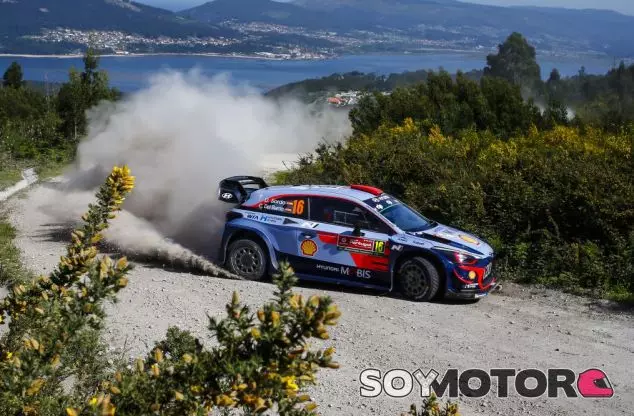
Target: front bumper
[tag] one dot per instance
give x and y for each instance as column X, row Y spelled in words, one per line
column 471, row 293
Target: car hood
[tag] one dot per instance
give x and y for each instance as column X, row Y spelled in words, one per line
column 454, row 237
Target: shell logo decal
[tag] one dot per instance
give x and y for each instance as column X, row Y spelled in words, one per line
column 469, row 239
column 308, row 248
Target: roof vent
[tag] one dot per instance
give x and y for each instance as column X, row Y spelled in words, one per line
column 369, row 189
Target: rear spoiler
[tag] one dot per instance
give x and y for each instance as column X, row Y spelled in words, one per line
column 232, row 190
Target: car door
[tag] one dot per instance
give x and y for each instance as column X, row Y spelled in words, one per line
column 330, row 250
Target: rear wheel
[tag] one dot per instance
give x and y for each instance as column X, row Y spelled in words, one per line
column 246, row 258
column 419, row 279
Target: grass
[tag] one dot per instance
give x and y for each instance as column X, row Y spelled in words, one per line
column 9, row 177
column 11, row 169
column 621, row 295
column 10, row 173
column 11, row 268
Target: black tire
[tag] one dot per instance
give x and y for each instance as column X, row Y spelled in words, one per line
column 248, row 259
column 419, row 279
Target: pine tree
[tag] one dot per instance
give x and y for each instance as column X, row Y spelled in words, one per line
column 13, row 76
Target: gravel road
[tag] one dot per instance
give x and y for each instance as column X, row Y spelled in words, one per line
column 516, row 328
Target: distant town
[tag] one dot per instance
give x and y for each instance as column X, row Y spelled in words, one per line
column 121, row 43
column 347, row 98
column 257, row 39
column 304, row 30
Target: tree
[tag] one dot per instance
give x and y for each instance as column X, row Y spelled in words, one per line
column 515, row 61
column 13, row 76
column 83, row 91
column 556, row 114
column 555, row 87
column 555, row 76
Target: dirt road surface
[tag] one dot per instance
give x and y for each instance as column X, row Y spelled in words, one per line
column 516, row 328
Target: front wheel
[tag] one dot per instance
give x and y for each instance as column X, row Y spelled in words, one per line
column 419, row 279
column 246, row 258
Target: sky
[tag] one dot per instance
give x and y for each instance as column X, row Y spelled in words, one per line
column 623, row 6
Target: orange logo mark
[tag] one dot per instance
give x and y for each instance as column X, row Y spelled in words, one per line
column 308, row 247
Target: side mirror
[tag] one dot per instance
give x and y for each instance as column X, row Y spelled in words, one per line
column 357, row 230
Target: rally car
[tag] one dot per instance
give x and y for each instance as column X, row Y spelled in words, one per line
column 354, row 235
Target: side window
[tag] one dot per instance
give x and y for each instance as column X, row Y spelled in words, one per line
column 288, row 206
column 344, row 213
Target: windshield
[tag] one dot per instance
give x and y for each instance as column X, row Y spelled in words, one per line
column 399, row 214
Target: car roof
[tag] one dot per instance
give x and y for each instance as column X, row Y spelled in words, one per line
column 332, row 190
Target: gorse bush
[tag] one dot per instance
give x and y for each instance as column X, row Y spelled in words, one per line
column 263, row 360
column 55, row 319
column 557, row 205
column 431, row 407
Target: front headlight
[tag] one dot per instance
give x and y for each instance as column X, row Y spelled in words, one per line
column 458, row 257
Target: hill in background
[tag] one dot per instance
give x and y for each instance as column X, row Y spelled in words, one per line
column 305, row 28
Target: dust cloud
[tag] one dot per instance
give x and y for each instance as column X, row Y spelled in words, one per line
column 180, row 136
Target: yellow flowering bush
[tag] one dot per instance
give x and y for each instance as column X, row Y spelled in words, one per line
column 53, row 319
column 263, row 360
column 557, row 204
column 431, row 407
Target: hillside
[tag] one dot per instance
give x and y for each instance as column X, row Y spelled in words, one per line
column 306, row 28
column 408, row 22
column 19, row 18
column 317, row 88
column 274, row 12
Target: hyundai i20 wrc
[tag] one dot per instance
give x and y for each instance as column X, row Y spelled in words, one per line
column 353, row 235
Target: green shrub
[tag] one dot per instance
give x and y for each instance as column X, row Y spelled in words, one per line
column 557, row 205
column 431, row 407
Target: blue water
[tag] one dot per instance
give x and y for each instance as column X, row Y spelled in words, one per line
column 132, row 73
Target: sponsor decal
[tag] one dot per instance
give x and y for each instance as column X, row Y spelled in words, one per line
column 487, row 270
column 397, row 247
column 329, row 268
column 476, row 382
column 361, row 244
column 345, row 271
column 381, row 198
column 226, row 195
column 308, row 248
column 418, row 242
column 469, row 239
column 381, row 202
column 265, row 218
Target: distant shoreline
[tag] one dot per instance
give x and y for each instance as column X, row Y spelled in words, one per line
column 420, row 51
column 137, row 55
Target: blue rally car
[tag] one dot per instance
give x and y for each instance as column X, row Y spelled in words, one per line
column 354, row 235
